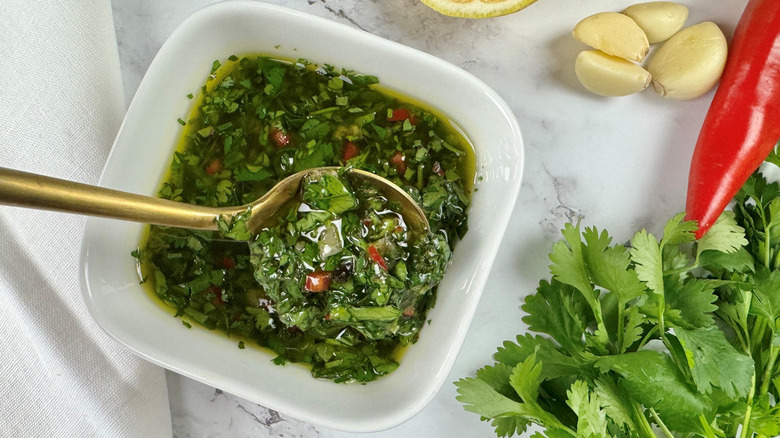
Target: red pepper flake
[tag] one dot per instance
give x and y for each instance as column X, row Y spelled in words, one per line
column 437, row 168
column 317, row 281
column 213, row 167
column 228, row 262
column 376, row 257
column 351, row 150
column 399, row 161
column 217, row 291
column 401, row 114
column 279, row 137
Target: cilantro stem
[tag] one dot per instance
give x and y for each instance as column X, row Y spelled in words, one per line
column 621, row 325
column 661, row 322
column 770, row 366
column 682, row 270
column 661, row 424
column 639, row 415
column 749, row 408
column 324, row 110
column 647, row 337
column 759, row 329
column 708, row 428
column 767, row 246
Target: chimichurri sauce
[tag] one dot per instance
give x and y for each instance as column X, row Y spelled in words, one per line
column 338, row 284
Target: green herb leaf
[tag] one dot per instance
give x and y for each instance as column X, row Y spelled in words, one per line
column 557, row 310
column 586, row 404
column 766, row 300
column 714, row 362
column 329, row 193
column 652, row 378
column 724, row 235
column 646, row 253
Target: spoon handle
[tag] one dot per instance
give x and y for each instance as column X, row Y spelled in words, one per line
column 30, row 190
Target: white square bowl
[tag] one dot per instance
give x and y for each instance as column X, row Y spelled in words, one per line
column 143, row 151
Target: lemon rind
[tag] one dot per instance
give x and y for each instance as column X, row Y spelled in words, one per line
column 477, row 9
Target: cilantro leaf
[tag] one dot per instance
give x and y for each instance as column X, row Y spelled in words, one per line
column 646, row 253
column 557, row 309
column 313, row 156
column 690, row 304
column 652, row 378
column 677, row 231
column 569, row 263
column 488, row 396
column 480, row 397
column 526, row 378
column 633, row 329
column 253, row 173
column 569, row 268
column 509, row 426
column 714, row 362
column 766, row 298
column 608, row 266
column 616, row 404
column 555, row 364
column 724, row 235
column 591, row 419
column 719, row 262
column 765, row 418
column 328, row 192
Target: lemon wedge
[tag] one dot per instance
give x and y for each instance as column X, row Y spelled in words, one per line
column 477, row 8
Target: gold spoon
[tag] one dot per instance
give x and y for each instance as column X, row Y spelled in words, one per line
column 30, row 190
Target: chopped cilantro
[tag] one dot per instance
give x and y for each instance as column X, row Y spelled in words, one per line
column 263, row 121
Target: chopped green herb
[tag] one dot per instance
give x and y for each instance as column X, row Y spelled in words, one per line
column 215, row 66
column 265, row 120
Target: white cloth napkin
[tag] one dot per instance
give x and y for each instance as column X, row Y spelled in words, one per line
column 61, row 104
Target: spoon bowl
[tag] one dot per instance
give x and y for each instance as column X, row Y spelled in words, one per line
column 30, row 190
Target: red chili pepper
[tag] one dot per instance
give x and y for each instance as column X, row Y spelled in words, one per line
column 401, row 114
column 279, row 137
column 376, row 257
column 399, row 161
column 742, row 125
column 351, row 150
column 317, row 281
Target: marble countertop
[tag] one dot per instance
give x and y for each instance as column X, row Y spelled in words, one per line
column 619, row 164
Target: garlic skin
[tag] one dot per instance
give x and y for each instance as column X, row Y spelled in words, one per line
column 689, row 63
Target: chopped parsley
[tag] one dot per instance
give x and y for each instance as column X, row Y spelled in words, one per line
column 337, row 285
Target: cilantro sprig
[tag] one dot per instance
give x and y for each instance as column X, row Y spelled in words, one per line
column 667, row 336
